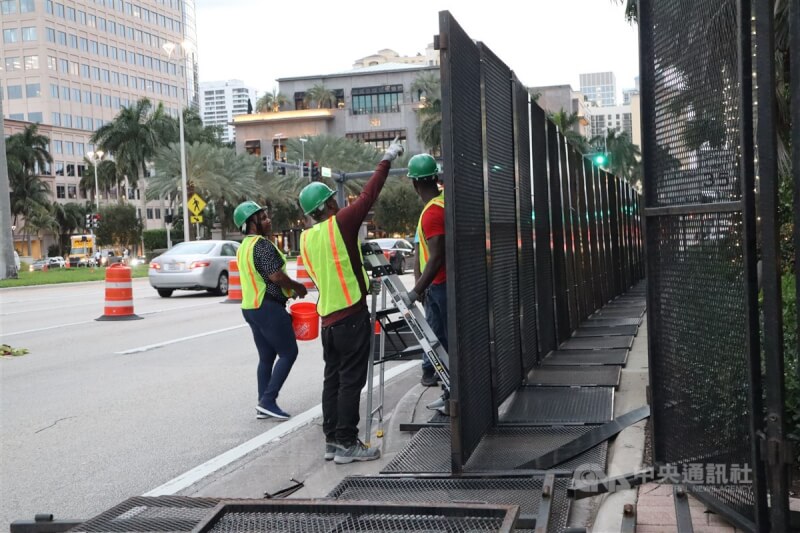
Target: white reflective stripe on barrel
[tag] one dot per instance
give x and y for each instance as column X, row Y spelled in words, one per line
column 118, row 284
column 119, row 303
column 234, row 287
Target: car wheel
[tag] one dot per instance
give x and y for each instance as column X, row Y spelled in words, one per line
column 164, row 293
column 222, row 285
column 401, row 266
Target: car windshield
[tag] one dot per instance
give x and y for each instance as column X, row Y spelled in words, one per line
column 191, row 248
column 385, row 244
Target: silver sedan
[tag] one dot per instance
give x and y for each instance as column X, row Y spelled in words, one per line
column 196, row 265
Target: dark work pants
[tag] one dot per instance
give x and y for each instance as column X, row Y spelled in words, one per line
column 345, row 348
column 436, row 316
column 274, row 336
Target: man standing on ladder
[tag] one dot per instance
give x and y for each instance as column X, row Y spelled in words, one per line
column 332, row 255
column 431, row 281
column 265, row 289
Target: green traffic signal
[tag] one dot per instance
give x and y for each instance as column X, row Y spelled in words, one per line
column 600, row 159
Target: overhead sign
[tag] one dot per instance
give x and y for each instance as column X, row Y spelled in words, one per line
column 326, row 172
column 196, row 219
column 196, row 204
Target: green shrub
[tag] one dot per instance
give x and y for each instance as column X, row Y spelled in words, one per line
column 156, row 239
column 53, row 250
column 790, row 356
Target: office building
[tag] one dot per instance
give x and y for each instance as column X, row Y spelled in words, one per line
column 600, row 88
column 72, row 66
column 555, row 98
column 431, row 58
column 220, row 101
column 617, row 118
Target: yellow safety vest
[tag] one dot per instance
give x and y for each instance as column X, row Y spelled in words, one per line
column 254, row 287
column 424, row 251
column 325, row 256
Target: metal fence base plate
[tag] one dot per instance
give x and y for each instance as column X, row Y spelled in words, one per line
column 635, row 312
column 587, row 357
column 575, row 376
column 560, row 405
column 522, row 491
column 501, row 450
column 601, row 322
column 597, row 343
column 606, row 331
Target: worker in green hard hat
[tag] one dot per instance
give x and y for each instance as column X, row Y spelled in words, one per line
column 332, row 255
column 430, row 271
column 266, row 287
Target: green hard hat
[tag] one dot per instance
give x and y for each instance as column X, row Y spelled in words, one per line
column 422, row 166
column 313, row 196
column 244, row 211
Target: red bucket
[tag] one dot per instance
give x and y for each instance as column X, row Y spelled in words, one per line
column 305, row 321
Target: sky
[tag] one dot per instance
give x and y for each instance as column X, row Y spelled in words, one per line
column 544, row 42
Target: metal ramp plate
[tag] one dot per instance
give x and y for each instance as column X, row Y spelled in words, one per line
column 606, row 331
column 162, row 513
column 501, row 449
column 600, row 322
column 598, row 343
column 619, row 313
column 522, row 491
column 560, row 405
column 575, row 376
column 587, row 357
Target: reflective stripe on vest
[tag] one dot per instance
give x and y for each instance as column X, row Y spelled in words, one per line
column 424, row 252
column 325, row 256
column 254, row 288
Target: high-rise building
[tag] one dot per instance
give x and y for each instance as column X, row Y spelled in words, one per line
column 600, row 88
column 220, row 101
column 617, row 118
column 72, row 66
column 556, row 98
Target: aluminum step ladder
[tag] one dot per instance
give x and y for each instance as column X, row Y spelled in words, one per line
column 381, row 270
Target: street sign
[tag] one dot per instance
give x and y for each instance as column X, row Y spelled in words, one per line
column 196, row 219
column 196, row 204
column 326, row 172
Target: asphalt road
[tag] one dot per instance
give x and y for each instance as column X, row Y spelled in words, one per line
column 101, row 411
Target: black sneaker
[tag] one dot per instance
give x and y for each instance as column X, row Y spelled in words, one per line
column 330, row 450
column 429, row 377
column 273, row 410
column 356, row 452
column 260, row 415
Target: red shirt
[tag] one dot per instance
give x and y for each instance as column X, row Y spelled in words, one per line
column 432, row 226
column 349, row 220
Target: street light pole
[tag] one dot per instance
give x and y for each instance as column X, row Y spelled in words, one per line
column 303, row 164
column 170, row 47
column 95, row 158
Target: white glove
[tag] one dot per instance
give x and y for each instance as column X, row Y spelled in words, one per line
column 395, row 149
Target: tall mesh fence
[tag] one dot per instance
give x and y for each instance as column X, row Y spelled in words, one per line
column 695, row 243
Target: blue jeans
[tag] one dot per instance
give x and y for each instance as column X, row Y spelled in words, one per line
column 274, row 336
column 436, row 315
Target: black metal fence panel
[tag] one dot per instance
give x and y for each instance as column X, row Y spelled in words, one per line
column 569, row 241
column 593, row 232
column 525, row 215
column 558, row 247
column 467, row 284
column 695, row 97
column 545, row 308
column 501, row 224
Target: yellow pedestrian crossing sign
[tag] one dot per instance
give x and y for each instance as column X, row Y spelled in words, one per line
column 196, row 204
column 196, row 219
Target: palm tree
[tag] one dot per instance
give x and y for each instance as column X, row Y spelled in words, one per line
column 7, row 267
column 429, row 90
column 324, row 97
column 566, row 123
column 28, row 151
column 271, row 102
column 623, row 155
column 195, row 130
column 69, row 218
column 107, row 178
column 37, row 220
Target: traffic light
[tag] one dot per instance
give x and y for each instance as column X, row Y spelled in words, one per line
column 600, row 159
column 305, row 169
column 96, row 220
column 315, row 171
column 88, row 222
column 168, row 218
column 283, row 169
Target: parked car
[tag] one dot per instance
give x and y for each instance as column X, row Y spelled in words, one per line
column 399, row 253
column 38, row 265
column 56, row 262
column 195, row 265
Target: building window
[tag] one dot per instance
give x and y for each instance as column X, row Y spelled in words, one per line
column 67, row 121
column 59, row 168
column 31, row 62
column 33, row 90
column 61, row 191
column 14, row 92
column 12, row 64
column 8, row 7
column 69, row 147
column 379, row 139
column 71, row 169
column 51, row 63
column 72, row 192
column 29, row 33
column 149, row 213
column 61, row 38
column 36, row 116
column 55, row 118
column 73, row 41
column 51, row 35
column 382, row 99
column 11, row 36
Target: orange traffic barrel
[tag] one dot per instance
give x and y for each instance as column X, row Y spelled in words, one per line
column 302, row 275
column 234, row 284
column 119, row 294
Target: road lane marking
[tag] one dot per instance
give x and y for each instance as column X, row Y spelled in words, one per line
column 189, row 478
column 176, row 341
column 46, row 328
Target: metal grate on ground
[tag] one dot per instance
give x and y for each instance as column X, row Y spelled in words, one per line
column 575, row 376
column 560, row 405
column 522, row 491
column 327, row 516
column 602, row 322
column 587, row 357
column 501, row 449
column 142, row 513
column 597, row 343
column 606, row 331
